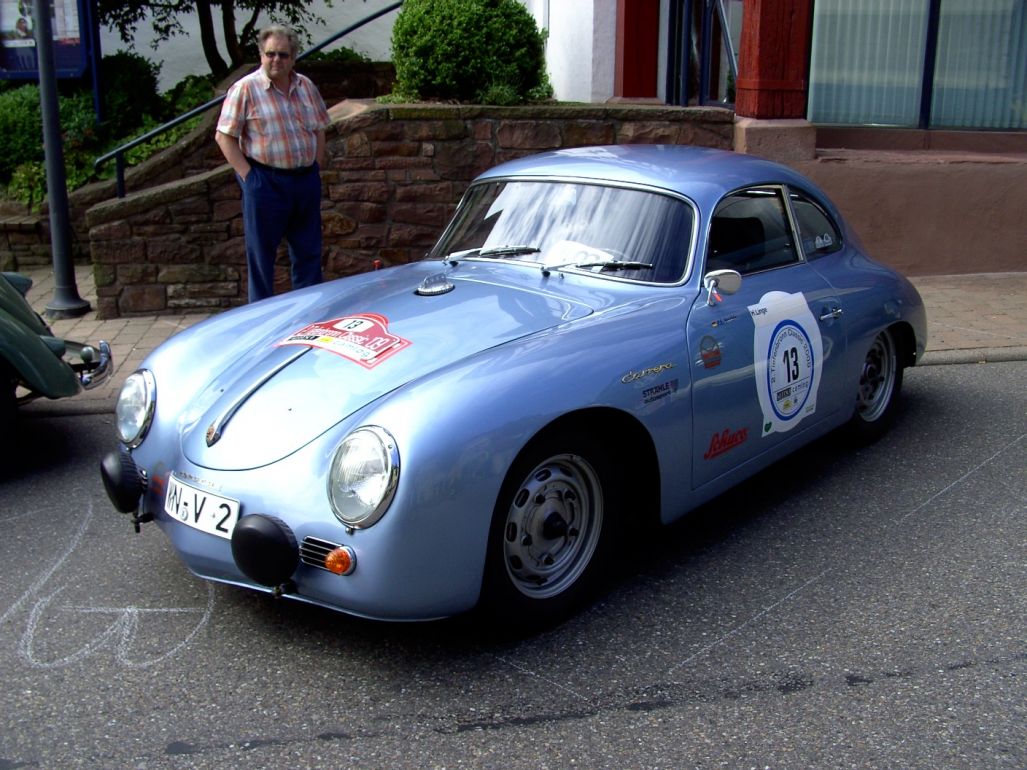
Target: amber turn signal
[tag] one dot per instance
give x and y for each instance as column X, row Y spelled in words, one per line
column 341, row 560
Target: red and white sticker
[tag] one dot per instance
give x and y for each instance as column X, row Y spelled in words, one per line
column 364, row 339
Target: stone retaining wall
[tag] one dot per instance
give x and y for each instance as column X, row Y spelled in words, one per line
column 25, row 238
column 393, row 177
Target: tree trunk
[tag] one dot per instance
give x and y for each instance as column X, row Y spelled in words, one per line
column 235, row 52
column 209, row 42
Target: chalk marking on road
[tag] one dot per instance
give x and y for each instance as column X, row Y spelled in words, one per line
column 41, row 580
column 528, row 672
column 819, row 577
column 961, row 479
column 7, row 518
column 749, row 622
column 119, row 634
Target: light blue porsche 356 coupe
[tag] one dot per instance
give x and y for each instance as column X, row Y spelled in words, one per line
column 602, row 338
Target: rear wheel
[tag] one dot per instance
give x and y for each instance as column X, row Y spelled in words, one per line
column 552, row 532
column 880, row 382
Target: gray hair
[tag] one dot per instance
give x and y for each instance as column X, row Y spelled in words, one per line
column 280, row 30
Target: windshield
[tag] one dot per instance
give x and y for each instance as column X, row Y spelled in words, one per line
column 615, row 231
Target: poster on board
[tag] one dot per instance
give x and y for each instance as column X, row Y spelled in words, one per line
column 18, row 45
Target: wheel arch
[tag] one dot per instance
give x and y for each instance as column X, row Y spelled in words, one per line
column 629, row 439
column 905, row 342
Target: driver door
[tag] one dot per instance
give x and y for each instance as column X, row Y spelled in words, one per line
column 764, row 358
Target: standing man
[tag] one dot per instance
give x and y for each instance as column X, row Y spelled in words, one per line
column 272, row 132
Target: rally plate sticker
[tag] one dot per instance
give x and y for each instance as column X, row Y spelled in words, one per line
column 364, row 338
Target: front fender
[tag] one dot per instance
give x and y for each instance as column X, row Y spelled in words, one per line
column 32, row 360
column 460, row 429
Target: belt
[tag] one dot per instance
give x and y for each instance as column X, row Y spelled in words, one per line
column 299, row 171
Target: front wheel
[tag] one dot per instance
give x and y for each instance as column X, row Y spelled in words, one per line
column 8, row 410
column 552, row 531
column 880, row 382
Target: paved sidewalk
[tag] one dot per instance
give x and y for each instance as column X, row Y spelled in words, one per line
column 970, row 319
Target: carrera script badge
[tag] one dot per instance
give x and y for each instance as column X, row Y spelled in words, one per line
column 364, row 339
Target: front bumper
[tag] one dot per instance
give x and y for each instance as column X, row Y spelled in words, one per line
column 412, row 565
column 94, row 365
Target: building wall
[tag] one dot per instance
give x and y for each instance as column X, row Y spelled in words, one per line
column 581, row 46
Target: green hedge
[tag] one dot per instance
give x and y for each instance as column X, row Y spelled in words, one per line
column 482, row 51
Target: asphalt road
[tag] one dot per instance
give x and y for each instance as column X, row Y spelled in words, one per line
column 863, row 609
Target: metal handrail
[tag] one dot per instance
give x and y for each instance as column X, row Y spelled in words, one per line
column 119, row 153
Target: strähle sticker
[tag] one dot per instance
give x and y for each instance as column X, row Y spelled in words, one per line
column 363, row 339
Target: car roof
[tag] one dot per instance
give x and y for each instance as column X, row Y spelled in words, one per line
column 701, row 173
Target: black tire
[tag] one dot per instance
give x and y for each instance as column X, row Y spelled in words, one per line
column 878, row 389
column 8, row 410
column 554, row 529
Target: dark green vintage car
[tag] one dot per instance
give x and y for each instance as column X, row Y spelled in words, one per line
column 33, row 362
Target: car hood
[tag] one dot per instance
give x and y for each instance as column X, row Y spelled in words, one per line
column 365, row 338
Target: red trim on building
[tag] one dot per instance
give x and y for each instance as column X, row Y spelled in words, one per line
column 773, row 59
column 638, row 44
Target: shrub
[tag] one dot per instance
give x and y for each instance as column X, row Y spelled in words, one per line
column 28, row 184
column 21, row 129
column 129, row 84
column 131, row 102
column 485, row 51
column 340, row 55
column 191, row 91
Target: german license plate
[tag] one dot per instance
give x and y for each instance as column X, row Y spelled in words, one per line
column 200, row 509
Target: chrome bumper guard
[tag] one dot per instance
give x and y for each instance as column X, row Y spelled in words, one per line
column 97, row 364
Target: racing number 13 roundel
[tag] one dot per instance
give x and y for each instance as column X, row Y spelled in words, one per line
column 788, row 354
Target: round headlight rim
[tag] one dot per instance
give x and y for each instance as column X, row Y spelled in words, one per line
column 391, row 450
column 150, row 405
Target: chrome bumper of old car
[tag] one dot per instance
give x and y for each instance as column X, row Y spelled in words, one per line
column 96, row 365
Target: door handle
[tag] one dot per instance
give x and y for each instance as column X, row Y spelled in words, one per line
column 835, row 312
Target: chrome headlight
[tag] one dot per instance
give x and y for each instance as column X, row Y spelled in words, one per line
column 136, row 403
column 363, row 477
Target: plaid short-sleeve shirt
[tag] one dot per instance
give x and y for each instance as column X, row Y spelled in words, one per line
column 272, row 127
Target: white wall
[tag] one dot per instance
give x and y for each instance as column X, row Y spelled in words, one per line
column 580, row 51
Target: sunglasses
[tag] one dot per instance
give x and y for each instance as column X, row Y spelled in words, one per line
column 277, row 54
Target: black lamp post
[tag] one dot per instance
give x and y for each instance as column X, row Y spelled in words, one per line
column 66, row 303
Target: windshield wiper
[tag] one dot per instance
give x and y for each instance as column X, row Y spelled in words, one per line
column 508, row 251
column 609, row 264
column 496, row 251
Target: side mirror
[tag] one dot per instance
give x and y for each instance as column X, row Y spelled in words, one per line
column 717, row 281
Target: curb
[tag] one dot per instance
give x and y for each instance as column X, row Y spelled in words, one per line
column 974, row 356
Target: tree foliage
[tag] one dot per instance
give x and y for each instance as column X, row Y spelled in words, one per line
column 238, row 20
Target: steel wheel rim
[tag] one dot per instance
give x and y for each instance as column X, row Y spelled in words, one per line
column 877, row 379
column 552, row 526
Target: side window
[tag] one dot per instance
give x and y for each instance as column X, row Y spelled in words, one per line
column 819, row 235
column 750, row 232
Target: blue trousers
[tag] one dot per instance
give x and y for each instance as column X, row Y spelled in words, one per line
column 277, row 205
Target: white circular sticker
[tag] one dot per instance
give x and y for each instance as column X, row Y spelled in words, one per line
column 787, row 352
column 789, row 369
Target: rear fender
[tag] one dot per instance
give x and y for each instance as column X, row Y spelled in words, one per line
column 32, row 360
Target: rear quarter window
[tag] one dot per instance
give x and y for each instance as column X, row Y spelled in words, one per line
column 819, row 234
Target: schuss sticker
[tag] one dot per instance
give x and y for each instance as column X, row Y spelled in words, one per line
column 363, row 339
column 725, row 441
column 788, row 355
